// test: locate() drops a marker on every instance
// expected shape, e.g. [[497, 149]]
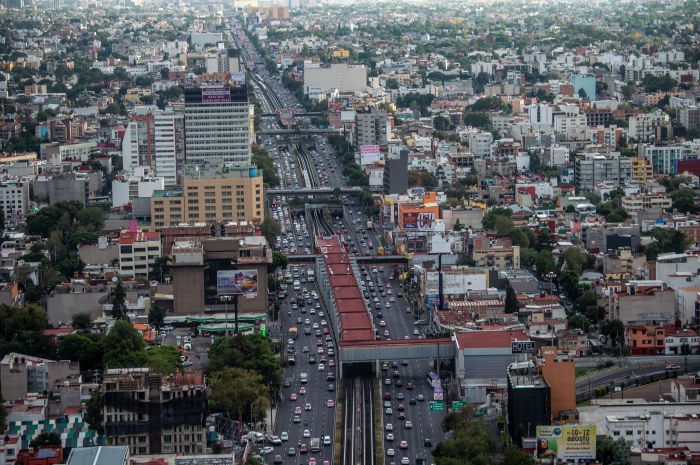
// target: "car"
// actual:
[[402, 415], [403, 445], [400, 408], [277, 460], [312, 461], [331, 387], [390, 452], [305, 349], [387, 396], [388, 411], [304, 449], [297, 410], [319, 343], [405, 461], [412, 401], [391, 299], [389, 436], [297, 419], [302, 390], [427, 442], [673, 366], [387, 382], [389, 427], [382, 323], [307, 433], [410, 386], [387, 404], [330, 403], [292, 451], [398, 383], [416, 332], [331, 362], [396, 374], [386, 333], [387, 305], [307, 406], [420, 398], [293, 396], [284, 436], [408, 424]]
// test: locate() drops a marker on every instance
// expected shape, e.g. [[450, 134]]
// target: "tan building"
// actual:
[[639, 202], [641, 169], [500, 253], [211, 194], [195, 263], [23, 374]]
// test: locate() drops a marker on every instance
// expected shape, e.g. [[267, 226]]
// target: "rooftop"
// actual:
[[488, 339]]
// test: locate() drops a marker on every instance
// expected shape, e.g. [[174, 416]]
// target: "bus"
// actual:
[[310, 275], [292, 332], [433, 379]]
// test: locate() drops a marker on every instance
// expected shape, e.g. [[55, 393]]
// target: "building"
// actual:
[[591, 169], [154, 414], [370, 127], [559, 371], [138, 252], [14, 198], [217, 125], [341, 76], [650, 127], [395, 177], [211, 193], [642, 302], [482, 361], [675, 341], [645, 201], [127, 188], [498, 252], [56, 153], [645, 339], [23, 374], [194, 265], [642, 170], [689, 118], [529, 399], [686, 389], [584, 85], [100, 455], [663, 158], [138, 144], [169, 144]]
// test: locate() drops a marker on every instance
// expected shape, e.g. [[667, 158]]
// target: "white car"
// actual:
[[389, 436], [326, 440], [284, 436], [307, 433], [405, 461], [321, 367], [390, 452]]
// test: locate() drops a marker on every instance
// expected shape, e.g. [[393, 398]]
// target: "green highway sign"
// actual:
[[436, 406], [457, 405], [263, 329]]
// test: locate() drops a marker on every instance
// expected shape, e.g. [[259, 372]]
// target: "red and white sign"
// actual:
[[369, 154], [216, 94]]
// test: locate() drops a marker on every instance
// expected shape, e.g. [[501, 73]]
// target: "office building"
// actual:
[[138, 144], [395, 179], [14, 198], [194, 265], [152, 413], [584, 85], [690, 117], [664, 158], [169, 145], [138, 252], [217, 125], [211, 193], [22, 374], [595, 168], [371, 127]]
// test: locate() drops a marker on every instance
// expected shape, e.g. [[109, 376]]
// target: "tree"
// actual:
[[579, 321], [81, 321], [611, 452], [93, 411], [614, 330], [270, 228], [124, 347], [544, 262], [587, 304], [336, 193], [489, 221], [511, 303], [236, 393], [119, 310], [45, 439], [684, 201], [477, 120], [279, 260], [471, 440], [164, 359], [441, 123], [156, 316], [86, 349], [392, 83], [422, 178], [667, 240], [582, 94], [515, 456], [568, 281], [251, 352], [263, 161]]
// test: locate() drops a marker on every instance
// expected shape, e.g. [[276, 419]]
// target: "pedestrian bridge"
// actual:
[[400, 349]]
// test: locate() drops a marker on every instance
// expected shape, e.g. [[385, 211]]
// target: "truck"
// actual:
[[315, 444], [370, 225], [310, 275]]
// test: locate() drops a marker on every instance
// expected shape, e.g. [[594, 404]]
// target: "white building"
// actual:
[[125, 190], [674, 342], [217, 124], [478, 141], [138, 251], [169, 144], [14, 198], [643, 128], [341, 76], [663, 157]]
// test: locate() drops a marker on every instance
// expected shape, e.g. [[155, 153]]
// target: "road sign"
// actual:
[[263, 329], [436, 406], [457, 405]]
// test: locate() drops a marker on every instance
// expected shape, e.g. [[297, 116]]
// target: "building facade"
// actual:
[[138, 252], [594, 168]]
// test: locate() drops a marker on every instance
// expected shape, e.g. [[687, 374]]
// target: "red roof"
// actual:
[[343, 281], [129, 237], [349, 321], [339, 269], [351, 306], [355, 335], [488, 339], [335, 258], [58, 332], [346, 292]]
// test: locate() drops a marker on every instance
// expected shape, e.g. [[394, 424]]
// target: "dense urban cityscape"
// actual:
[[326, 232]]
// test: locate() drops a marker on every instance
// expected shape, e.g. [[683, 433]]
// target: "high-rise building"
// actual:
[[14, 198], [594, 168], [371, 126], [396, 173], [211, 193], [138, 144], [690, 117], [217, 125], [169, 144], [155, 414]]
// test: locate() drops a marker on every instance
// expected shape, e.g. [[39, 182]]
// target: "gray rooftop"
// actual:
[[101, 455]]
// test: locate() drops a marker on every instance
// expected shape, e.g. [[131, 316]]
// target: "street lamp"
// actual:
[[225, 299], [550, 276]]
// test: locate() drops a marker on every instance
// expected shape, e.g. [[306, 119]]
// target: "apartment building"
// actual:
[[641, 169], [646, 339], [676, 340], [650, 127], [595, 168], [211, 193], [371, 126], [169, 144], [690, 117], [22, 374], [127, 188], [138, 252], [217, 125], [138, 144], [490, 252], [14, 198], [56, 153], [645, 201], [153, 413], [664, 157]]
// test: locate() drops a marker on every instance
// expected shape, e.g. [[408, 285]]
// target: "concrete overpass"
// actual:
[[319, 190], [297, 132], [400, 349], [301, 114]]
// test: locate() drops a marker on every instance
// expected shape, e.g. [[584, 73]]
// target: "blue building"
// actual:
[[585, 82]]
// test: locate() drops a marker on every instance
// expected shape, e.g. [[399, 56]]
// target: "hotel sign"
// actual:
[[522, 347]]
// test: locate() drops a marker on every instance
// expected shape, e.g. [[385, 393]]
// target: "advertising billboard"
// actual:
[[410, 220], [369, 154], [425, 221], [242, 282], [566, 442], [238, 77], [216, 94]]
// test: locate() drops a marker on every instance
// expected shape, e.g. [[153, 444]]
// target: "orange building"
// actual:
[[560, 373], [420, 215], [646, 339]]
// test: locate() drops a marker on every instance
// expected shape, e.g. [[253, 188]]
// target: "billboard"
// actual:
[[425, 221], [522, 347], [238, 77], [216, 94], [243, 282], [369, 154], [566, 442]]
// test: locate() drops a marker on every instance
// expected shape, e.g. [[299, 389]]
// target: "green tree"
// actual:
[[279, 260], [544, 262], [511, 303], [587, 304], [86, 349], [263, 161], [614, 330], [156, 316], [91, 218], [392, 83], [124, 347], [422, 178], [684, 201], [119, 310], [469, 440], [270, 228], [568, 281], [251, 352], [45, 439], [235, 392], [441, 123], [489, 220], [582, 93], [163, 359], [612, 452], [477, 120], [515, 456], [579, 321], [93, 412], [81, 321]]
